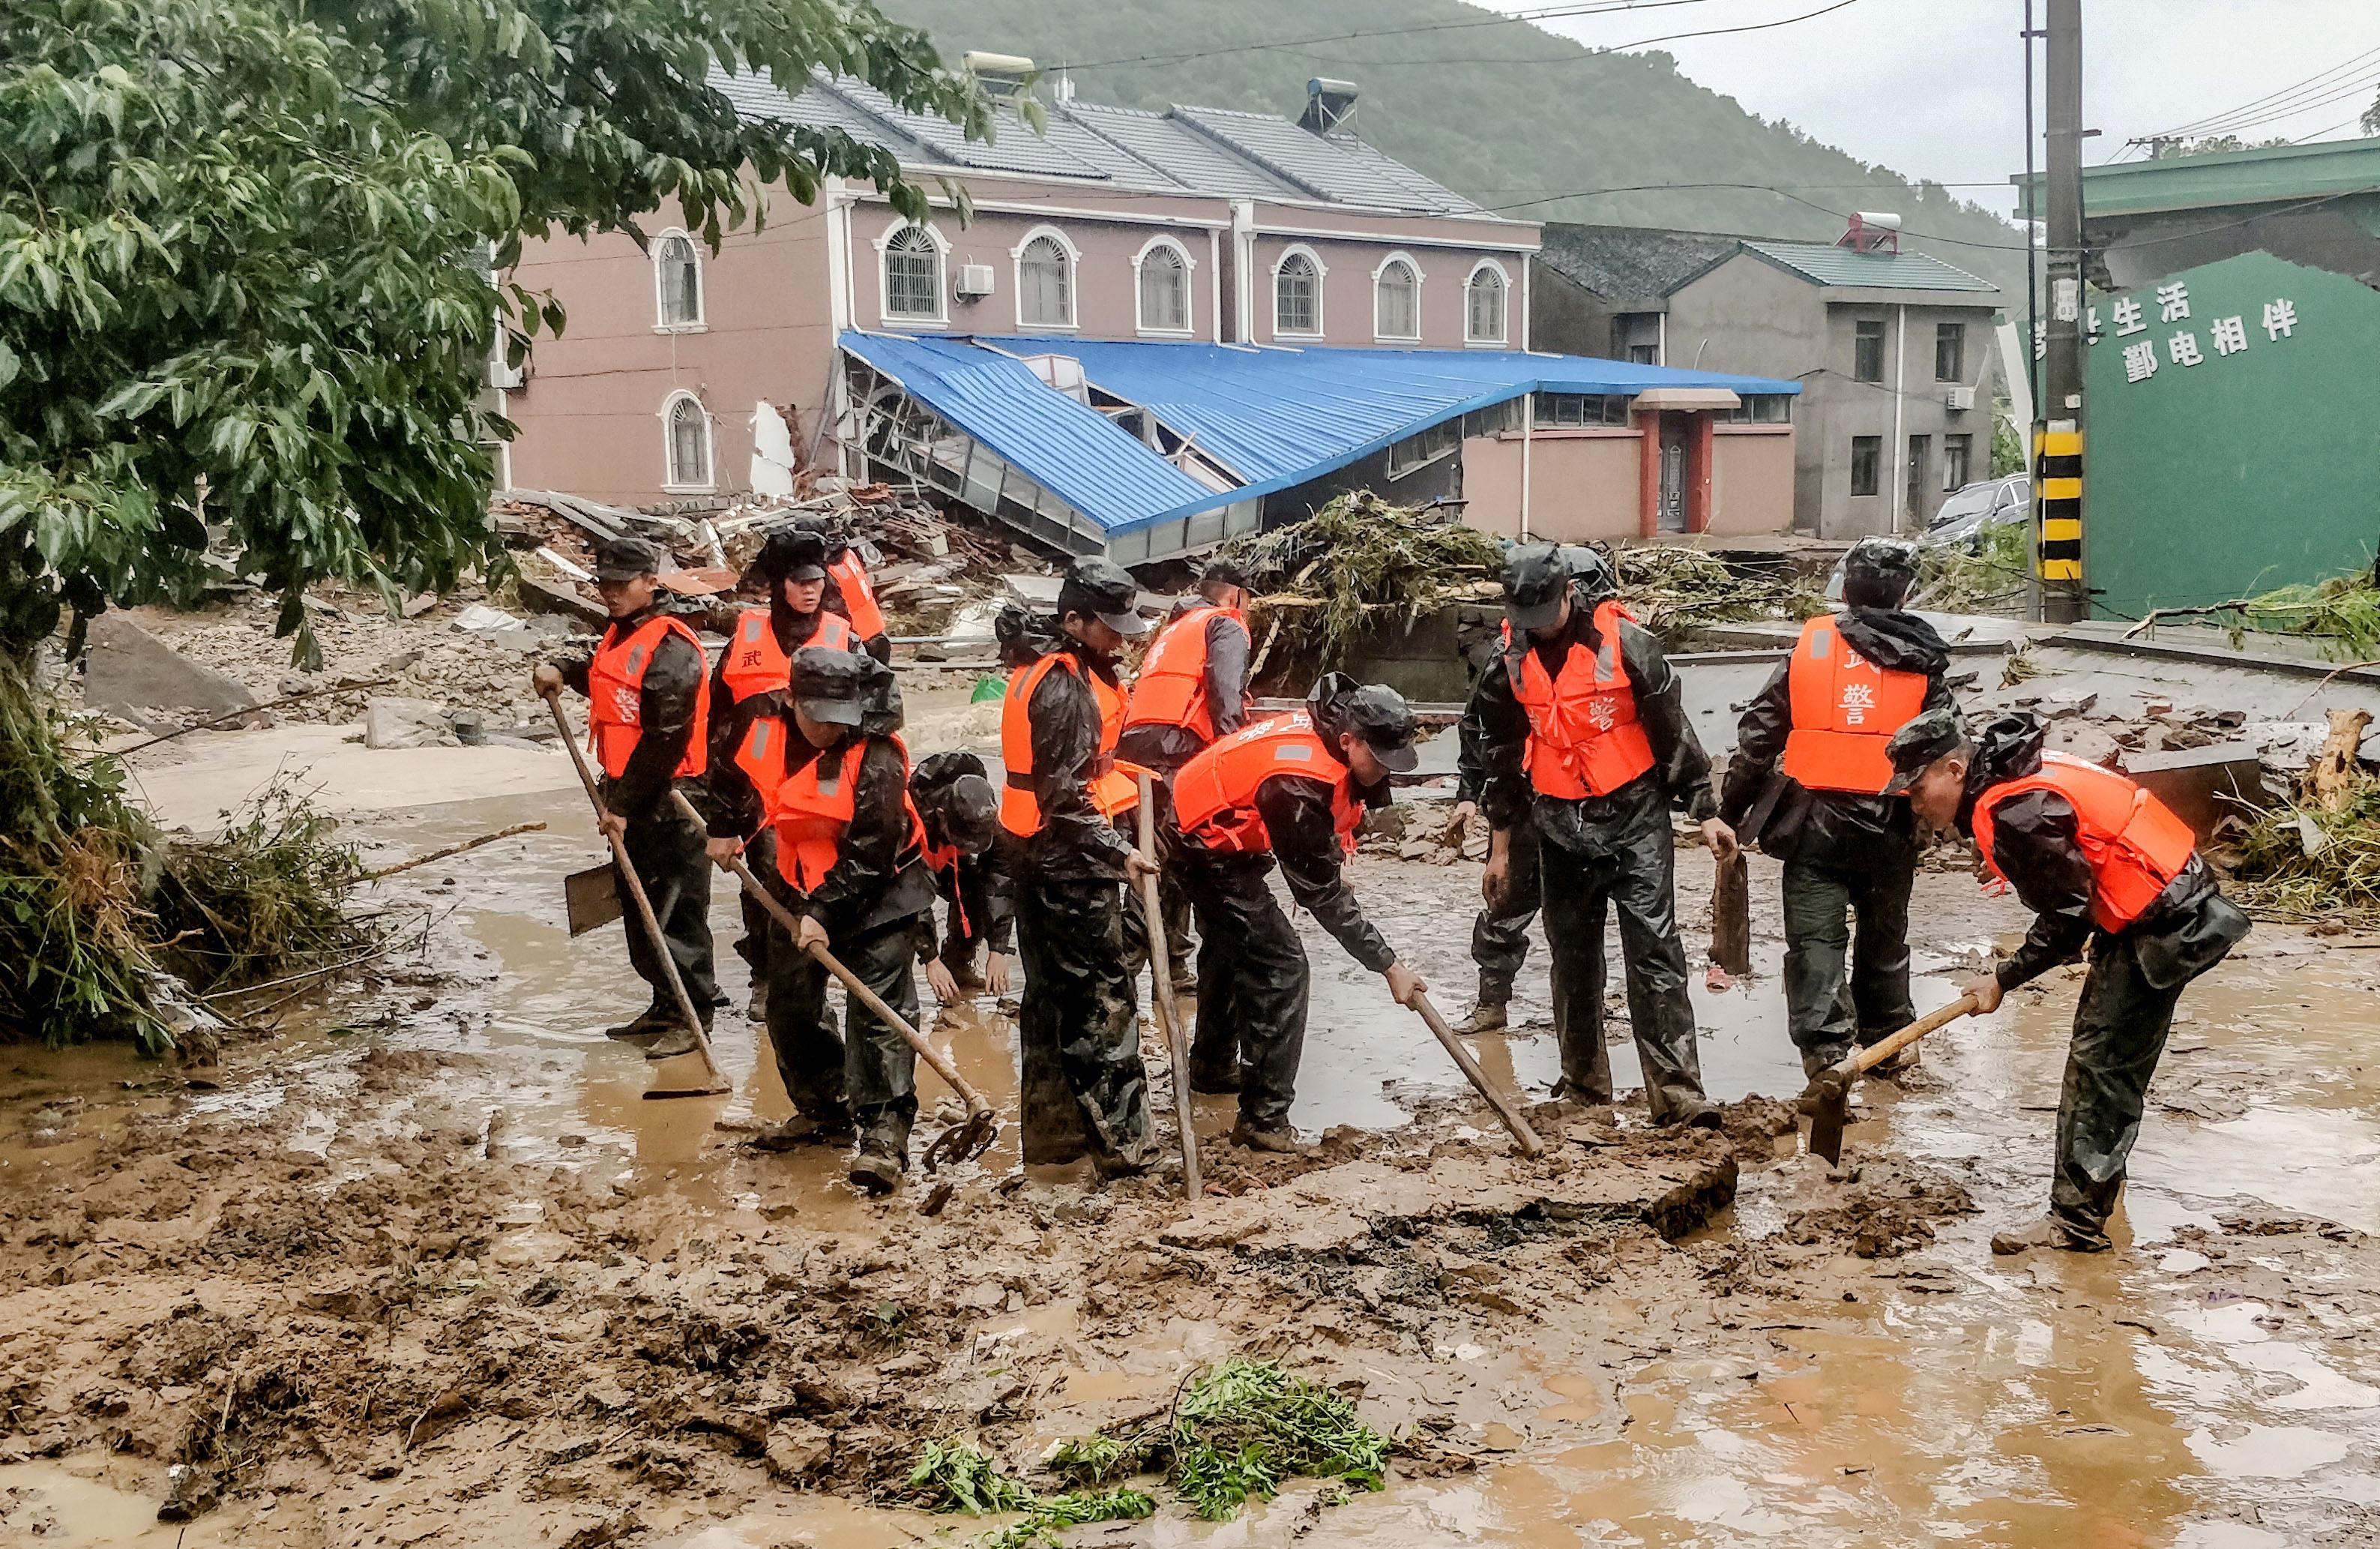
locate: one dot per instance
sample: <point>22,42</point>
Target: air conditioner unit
<point>1958,401</point>
<point>974,279</point>
<point>503,374</point>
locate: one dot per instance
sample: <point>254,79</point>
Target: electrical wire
<point>2270,105</point>
<point>1594,51</point>
<point>1547,13</point>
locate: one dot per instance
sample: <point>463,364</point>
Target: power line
<point>1547,13</point>
<point>1593,53</point>
<point>2216,122</point>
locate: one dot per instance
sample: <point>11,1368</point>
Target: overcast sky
<point>1933,88</point>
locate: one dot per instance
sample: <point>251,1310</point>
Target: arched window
<point>1045,284</point>
<point>687,427</point>
<point>1396,300</point>
<point>1483,308</point>
<point>1165,288</point>
<point>677,275</point>
<point>1297,294</point>
<point>913,275</point>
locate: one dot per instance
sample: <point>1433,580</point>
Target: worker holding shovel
<point>1806,782</point>
<point>648,714</point>
<point>1289,789</point>
<point>2098,860</point>
<point>823,770</point>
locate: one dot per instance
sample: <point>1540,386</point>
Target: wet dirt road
<point>2212,1385</point>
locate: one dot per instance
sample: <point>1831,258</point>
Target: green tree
<point>251,255</point>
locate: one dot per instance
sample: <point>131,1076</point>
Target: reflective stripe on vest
<point>615,695</point>
<point>1584,735</point>
<point>858,596</point>
<point>1214,793</point>
<point>1845,709</point>
<point>1172,688</point>
<point>1113,789</point>
<point>812,808</point>
<point>755,663</point>
<point>2133,842</point>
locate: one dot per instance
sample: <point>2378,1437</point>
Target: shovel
<point>1160,993</point>
<point>1505,1109</point>
<point>971,1136</point>
<point>714,1084</point>
<point>1828,1097</point>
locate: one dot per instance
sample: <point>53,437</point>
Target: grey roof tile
<point>1337,167</point>
<point>1828,265</point>
<point>1628,263</point>
<point>1180,153</point>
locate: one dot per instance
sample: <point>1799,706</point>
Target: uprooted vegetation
<point>106,920</point>
<point>2340,616</point>
<point>2309,862</point>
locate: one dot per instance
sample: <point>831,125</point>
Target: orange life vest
<point>1845,709</point>
<point>858,597</point>
<point>1115,787</point>
<point>811,810</point>
<point>942,861</point>
<point>1172,688</point>
<point>615,696</point>
<point>1214,793</point>
<point>2133,842</point>
<point>1584,738</point>
<point>756,663</point>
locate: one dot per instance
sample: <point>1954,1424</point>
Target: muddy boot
<point>1214,1083</point>
<point>651,1022</point>
<point>757,1009</point>
<point>879,1166</point>
<point>1124,1164</point>
<point>1898,1065</point>
<point>1489,1016</point>
<point>1702,1114</point>
<point>675,1039</point>
<point>831,1129</point>
<point>2045,1232</point>
<point>1282,1141</point>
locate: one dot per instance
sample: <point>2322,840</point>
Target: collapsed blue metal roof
<point>1276,417</point>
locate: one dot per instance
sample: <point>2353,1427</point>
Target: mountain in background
<point>1515,118</point>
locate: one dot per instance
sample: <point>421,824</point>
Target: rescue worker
<point>1193,689</point>
<point>952,793</point>
<point>2098,860</point>
<point>1290,788</point>
<point>1500,936</point>
<point>1593,708</point>
<point>757,661</point>
<point>820,767</point>
<point>1083,1090</point>
<point>647,711</point>
<point>851,594</point>
<point>1806,784</point>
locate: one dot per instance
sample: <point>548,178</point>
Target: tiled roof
<point>1627,262</point>
<point>1826,264</point>
<point>1190,149</point>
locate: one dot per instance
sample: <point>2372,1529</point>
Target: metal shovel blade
<point>592,899</point>
<point>1829,1100</point>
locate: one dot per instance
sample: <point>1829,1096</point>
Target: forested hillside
<point>1514,116</point>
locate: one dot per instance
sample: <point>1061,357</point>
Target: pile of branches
<point>2309,862</point>
<point>106,924</point>
<point>1355,564</point>
<point>1672,589</point>
<point>1987,576</point>
<point>2340,614</point>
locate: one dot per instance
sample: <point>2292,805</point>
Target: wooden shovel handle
<point>1861,1061</point>
<point>1505,1109</point>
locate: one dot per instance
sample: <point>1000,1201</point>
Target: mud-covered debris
<point>1883,1219</point>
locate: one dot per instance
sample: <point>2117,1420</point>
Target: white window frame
<point>1504,315</point>
<point>662,324</point>
<point>883,245</point>
<point>1321,274</point>
<point>669,446</point>
<point>1189,297</point>
<point>1406,259</point>
<point>1073,280</point>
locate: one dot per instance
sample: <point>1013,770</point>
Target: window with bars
<point>681,282</point>
<point>1483,321</point>
<point>913,275</point>
<point>1396,302</point>
<point>1297,296</point>
<point>689,443</point>
<point>1165,291</point>
<point>1044,278</point>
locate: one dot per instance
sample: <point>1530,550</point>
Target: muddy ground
<point>424,1269</point>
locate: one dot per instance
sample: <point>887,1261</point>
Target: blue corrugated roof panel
<point>1069,448</point>
<point>1277,418</point>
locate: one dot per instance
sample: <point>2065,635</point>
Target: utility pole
<point>2057,444</point>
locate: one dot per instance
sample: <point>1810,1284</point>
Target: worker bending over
<point>1083,1090</point>
<point>823,769</point>
<point>1289,788</point>
<point>1807,784</point>
<point>2099,861</point>
<point>758,662</point>
<point>1593,708</point>
<point>1193,688</point>
<point>647,711</point>
<point>952,794</point>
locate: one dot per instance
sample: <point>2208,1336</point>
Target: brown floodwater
<point>2132,1398</point>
